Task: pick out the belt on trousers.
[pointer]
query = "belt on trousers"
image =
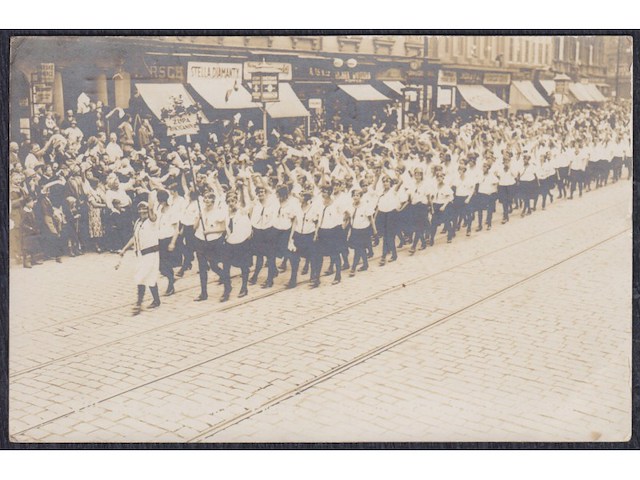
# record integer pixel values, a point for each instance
(145, 251)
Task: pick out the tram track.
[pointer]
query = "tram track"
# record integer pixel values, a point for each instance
(346, 365)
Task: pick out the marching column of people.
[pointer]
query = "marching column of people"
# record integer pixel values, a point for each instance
(341, 195)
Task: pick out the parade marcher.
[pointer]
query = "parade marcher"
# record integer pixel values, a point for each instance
(528, 184)
(485, 199)
(236, 251)
(506, 186)
(145, 243)
(386, 219)
(561, 162)
(462, 208)
(168, 230)
(264, 236)
(303, 234)
(361, 227)
(328, 236)
(187, 227)
(442, 215)
(284, 223)
(546, 176)
(577, 167)
(419, 202)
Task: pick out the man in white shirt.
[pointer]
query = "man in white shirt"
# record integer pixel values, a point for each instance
(113, 150)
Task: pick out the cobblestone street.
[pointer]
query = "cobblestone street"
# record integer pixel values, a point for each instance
(520, 333)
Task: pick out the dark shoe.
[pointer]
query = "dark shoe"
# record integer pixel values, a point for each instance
(328, 272)
(243, 293)
(290, 285)
(253, 280)
(58, 259)
(154, 304)
(393, 259)
(267, 284)
(180, 273)
(201, 298)
(412, 250)
(225, 297)
(336, 281)
(352, 273)
(305, 270)
(136, 310)
(423, 246)
(468, 233)
(479, 229)
(314, 284)
(363, 269)
(383, 262)
(488, 227)
(345, 266)
(170, 291)
(449, 240)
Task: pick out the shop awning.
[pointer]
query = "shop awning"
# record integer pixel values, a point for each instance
(396, 86)
(594, 92)
(549, 86)
(481, 98)
(530, 93)
(160, 96)
(363, 93)
(223, 94)
(288, 105)
(580, 92)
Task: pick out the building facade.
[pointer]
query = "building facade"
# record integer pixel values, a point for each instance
(618, 53)
(377, 71)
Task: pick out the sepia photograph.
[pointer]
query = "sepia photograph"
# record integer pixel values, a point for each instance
(320, 238)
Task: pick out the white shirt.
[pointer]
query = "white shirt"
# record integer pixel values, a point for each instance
(388, 201)
(442, 194)
(190, 214)
(528, 173)
(286, 213)
(239, 227)
(309, 218)
(331, 216)
(464, 186)
(420, 192)
(214, 219)
(488, 184)
(263, 215)
(145, 235)
(167, 221)
(506, 177)
(360, 215)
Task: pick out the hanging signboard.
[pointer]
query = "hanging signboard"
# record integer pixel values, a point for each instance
(47, 73)
(179, 125)
(42, 94)
(315, 103)
(264, 87)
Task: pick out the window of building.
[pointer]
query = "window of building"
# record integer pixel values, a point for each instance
(561, 49)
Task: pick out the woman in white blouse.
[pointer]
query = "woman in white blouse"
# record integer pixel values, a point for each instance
(419, 201)
(386, 219)
(442, 200)
(528, 184)
(360, 231)
(236, 251)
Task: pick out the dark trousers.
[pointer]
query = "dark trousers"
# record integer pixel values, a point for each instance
(505, 193)
(188, 244)
(441, 216)
(386, 226)
(577, 179)
(208, 254)
(486, 202)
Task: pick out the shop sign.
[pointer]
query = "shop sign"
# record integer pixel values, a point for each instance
(166, 72)
(264, 87)
(470, 78)
(42, 94)
(47, 73)
(491, 78)
(315, 103)
(214, 71)
(179, 125)
(341, 76)
(447, 78)
(283, 69)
